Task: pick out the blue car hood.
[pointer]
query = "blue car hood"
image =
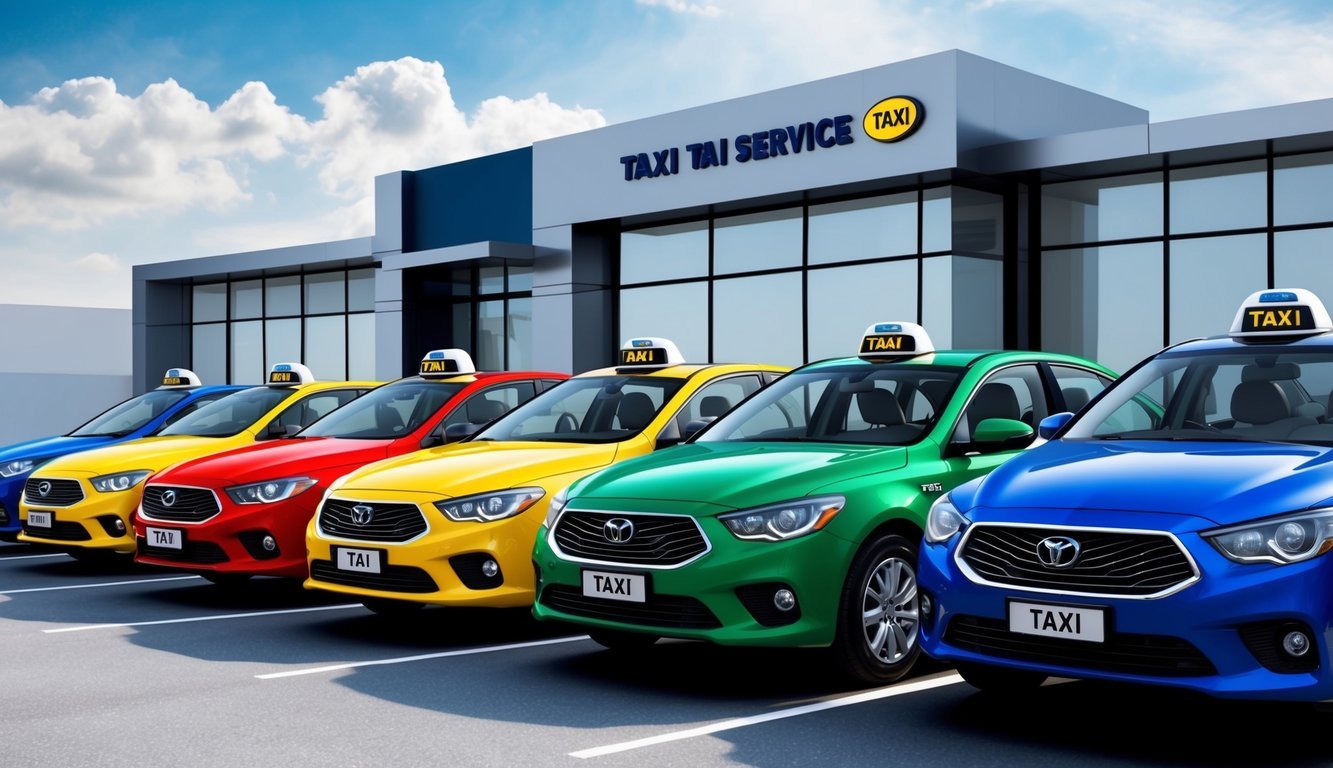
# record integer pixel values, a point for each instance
(50, 447)
(1223, 482)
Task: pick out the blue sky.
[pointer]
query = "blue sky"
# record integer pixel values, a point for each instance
(133, 132)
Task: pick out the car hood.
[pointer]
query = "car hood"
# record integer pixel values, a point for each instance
(476, 467)
(49, 447)
(152, 453)
(740, 474)
(1223, 482)
(275, 459)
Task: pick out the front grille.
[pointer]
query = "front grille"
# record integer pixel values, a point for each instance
(393, 578)
(1149, 655)
(657, 539)
(4, 515)
(202, 552)
(188, 505)
(388, 522)
(59, 531)
(1110, 562)
(59, 493)
(673, 611)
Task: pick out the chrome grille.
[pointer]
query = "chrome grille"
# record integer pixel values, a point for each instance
(188, 505)
(1110, 562)
(59, 492)
(661, 540)
(388, 522)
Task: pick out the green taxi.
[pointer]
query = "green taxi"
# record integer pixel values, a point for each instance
(794, 519)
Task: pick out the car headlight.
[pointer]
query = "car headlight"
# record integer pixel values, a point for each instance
(779, 522)
(558, 503)
(121, 481)
(1282, 540)
(15, 468)
(944, 521)
(485, 507)
(269, 491)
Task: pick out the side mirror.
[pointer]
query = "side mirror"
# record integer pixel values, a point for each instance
(1052, 424)
(1002, 434)
(455, 432)
(669, 436)
(694, 426)
(276, 430)
(433, 439)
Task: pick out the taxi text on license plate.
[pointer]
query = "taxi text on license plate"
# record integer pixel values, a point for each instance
(39, 519)
(629, 587)
(363, 560)
(1065, 621)
(167, 538)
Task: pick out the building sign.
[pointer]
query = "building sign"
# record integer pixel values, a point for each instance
(893, 119)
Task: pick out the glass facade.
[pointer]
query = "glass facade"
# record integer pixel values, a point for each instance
(484, 307)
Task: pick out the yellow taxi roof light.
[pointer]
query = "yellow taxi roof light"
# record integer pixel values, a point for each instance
(897, 339)
(649, 352)
(289, 375)
(446, 362)
(180, 378)
(1281, 311)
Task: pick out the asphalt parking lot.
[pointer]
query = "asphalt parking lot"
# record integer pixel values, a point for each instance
(116, 665)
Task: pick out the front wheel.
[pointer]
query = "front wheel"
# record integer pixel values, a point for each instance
(878, 613)
(619, 640)
(1000, 679)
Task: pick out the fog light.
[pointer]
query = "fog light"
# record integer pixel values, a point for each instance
(1296, 644)
(268, 543)
(784, 600)
(490, 568)
(927, 606)
(120, 526)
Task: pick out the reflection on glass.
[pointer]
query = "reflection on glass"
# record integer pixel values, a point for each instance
(491, 279)
(767, 240)
(324, 292)
(360, 290)
(326, 347)
(1300, 189)
(1092, 210)
(962, 302)
(1232, 196)
(1304, 259)
(673, 312)
(978, 222)
(282, 342)
(843, 302)
(210, 302)
(247, 299)
(520, 277)
(361, 346)
(664, 253)
(209, 356)
(1103, 303)
(520, 334)
(462, 329)
(1210, 277)
(936, 220)
(490, 354)
(282, 296)
(863, 229)
(247, 352)
(758, 319)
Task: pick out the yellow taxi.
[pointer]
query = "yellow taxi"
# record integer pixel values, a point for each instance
(455, 525)
(83, 502)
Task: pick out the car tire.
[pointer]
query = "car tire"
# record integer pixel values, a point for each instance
(881, 584)
(620, 640)
(986, 677)
(387, 606)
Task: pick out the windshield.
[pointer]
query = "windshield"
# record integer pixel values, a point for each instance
(391, 411)
(1248, 394)
(884, 404)
(231, 414)
(121, 420)
(595, 409)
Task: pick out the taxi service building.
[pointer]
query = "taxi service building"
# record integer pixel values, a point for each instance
(994, 206)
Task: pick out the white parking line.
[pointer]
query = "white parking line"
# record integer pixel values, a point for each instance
(5, 558)
(85, 627)
(899, 689)
(95, 586)
(422, 657)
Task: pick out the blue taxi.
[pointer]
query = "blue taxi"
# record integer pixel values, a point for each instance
(1175, 532)
(180, 393)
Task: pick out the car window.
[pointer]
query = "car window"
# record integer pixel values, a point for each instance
(490, 404)
(191, 407)
(1013, 393)
(124, 418)
(390, 411)
(311, 408)
(716, 398)
(1078, 385)
(587, 409)
(231, 414)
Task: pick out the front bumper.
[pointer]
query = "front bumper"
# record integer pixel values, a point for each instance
(100, 521)
(233, 541)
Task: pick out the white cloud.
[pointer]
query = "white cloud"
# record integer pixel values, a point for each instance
(99, 262)
(680, 6)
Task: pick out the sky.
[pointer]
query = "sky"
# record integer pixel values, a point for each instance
(138, 132)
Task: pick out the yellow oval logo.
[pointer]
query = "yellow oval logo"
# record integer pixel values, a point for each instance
(893, 119)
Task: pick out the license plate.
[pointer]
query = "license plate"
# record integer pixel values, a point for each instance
(1087, 624)
(39, 519)
(361, 560)
(632, 588)
(166, 538)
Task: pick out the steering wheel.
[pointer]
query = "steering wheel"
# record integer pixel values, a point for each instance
(566, 423)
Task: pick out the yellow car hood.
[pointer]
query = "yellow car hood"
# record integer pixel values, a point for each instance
(151, 453)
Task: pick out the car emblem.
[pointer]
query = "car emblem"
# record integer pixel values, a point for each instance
(168, 498)
(362, 514)
(1058, 551)
(43, 488)
(618, 530)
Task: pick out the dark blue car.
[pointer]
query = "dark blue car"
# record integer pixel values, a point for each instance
(181, 393)
(1175, 532)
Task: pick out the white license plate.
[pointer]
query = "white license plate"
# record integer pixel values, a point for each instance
(39, 519)
(629, 587)
(166, 538)
(362, 560)
(1088, 624)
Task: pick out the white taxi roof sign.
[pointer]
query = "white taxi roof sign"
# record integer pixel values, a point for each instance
(898, 339)
(439, 363)
(180, 378)
(647, 353)
(289, 375)
(1281, 312)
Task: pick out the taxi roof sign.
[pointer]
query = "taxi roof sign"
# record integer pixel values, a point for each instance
(289, 375)
(649, 352)
(1281, 312)
(446, 362)
(180, 378)
(888, 340)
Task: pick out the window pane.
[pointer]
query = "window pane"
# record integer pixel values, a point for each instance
(936, 220)
(978, 222)
(962, 302)
(491, 279)
(520, 278)
(1078, 386)
(462, 328)
(668, 311)
(758, 319)
(247, 299)
(1231, 196)
(520, 334)
(843, 302)
(1304, 260)
(1103, 303)
(324, 293)
(1210, 277)
(209, 356)
(247, 352)
(490, 353)
(1300, 189)
(863, 229)
(210, 302)
(326, 347)
(1102, 209)
(282, 342)
(361, 346)
(361, 290)
(757, 241)
(282, 296)
(664, 253)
